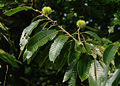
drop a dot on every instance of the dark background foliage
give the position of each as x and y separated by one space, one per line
98 14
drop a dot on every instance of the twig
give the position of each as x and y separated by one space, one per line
4 83
20 54
67 32
57 25
44 15
79 35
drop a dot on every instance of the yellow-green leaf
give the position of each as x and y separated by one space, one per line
15 10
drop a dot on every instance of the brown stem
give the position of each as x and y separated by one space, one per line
44 15
67 32
79 35
4 83
57 25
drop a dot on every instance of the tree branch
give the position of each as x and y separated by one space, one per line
57 25
4 83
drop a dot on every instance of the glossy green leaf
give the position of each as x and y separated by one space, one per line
63 61
92 34
62 58
117 43
27 54
97 74
87 47
105 76
92 29
70 54
83 67
5 33
10 59
15 10
26 32
117 80
57 46
72 81
113 78
93 41
109 54
40 56
106 41
68 74
79 48
40 39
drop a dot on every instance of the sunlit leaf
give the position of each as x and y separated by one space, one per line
69 72
57 46
15 10
72 81
97 74
40 39
27 54
112 79
67 75
26 32
109 54
117 79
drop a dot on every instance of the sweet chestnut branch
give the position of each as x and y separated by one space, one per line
80 23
